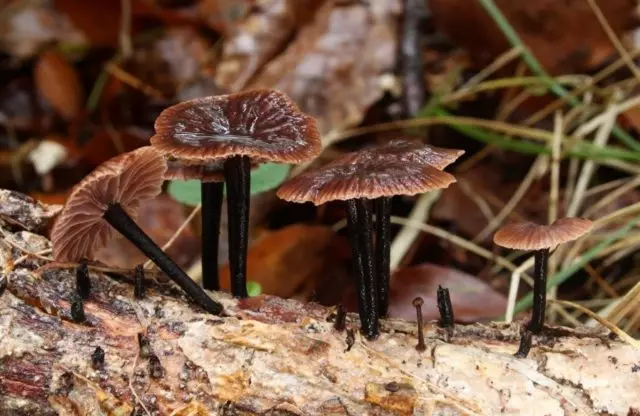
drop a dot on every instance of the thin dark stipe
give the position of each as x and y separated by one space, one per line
144 345
539 290
445 307
97 359
138 282
237 170
525 344
412 74
77 309
83 283
383 252
155 367
118 218
417 303
341 319
352 229
212 196
351 339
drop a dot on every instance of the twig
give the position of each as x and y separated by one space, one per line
513 288
126 47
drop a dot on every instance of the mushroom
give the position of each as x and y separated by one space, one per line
211 177
107 200
237 131
398 168
540 239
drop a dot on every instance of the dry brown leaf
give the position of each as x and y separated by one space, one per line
258 38
290 261
565 36
472 298
59 84
335 65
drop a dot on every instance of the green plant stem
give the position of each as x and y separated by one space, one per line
537 69
561 276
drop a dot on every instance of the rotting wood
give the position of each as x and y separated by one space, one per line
272 356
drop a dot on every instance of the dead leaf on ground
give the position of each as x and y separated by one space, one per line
472 298
159 218
565 36
59 84
28 26
99 21
335 66
224 15
170 61
289 262
251 43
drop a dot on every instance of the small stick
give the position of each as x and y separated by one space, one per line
77 309
525 345
143 344
341 319
97 359
83 283
418 302
446 308
155 367
351 339
138 282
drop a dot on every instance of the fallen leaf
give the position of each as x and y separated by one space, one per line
258 38
289 262
224 15
565 36
99 21
28 26
472 299
159 218
59 84
335 67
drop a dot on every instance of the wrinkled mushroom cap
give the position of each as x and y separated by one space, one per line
128 179
532 236
262 124
398 168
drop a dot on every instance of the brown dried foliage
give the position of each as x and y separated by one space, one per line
59 84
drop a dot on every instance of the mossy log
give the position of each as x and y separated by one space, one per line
163 356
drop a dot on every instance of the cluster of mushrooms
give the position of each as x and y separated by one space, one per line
218 140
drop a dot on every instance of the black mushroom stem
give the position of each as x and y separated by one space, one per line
383 252
212 195
118 218
360 229
237 175
539 290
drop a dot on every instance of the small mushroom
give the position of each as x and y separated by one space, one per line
107 200
540 239
211 177
398 168
417 303
237 130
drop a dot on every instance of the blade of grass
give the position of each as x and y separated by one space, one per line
537 69
568 271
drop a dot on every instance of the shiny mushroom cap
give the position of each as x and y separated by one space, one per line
262 124
128 180
398 168
531 236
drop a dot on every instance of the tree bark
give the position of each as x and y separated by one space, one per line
271 356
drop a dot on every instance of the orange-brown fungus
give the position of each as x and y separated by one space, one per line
128 180
531 236
262 124
398 168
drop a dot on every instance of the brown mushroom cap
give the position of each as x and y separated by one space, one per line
532 236
128 179
398 168
261 124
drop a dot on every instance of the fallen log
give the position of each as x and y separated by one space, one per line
163 356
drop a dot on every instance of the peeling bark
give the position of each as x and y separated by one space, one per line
272 356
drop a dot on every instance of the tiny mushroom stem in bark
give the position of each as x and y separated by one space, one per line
240 131
370 176
105 201
539 239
